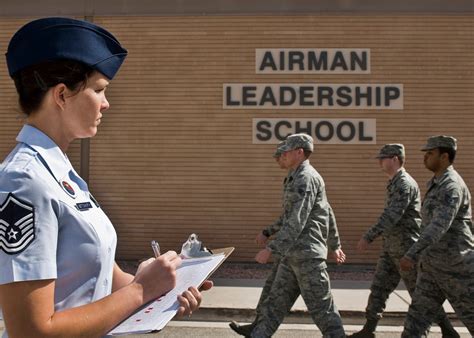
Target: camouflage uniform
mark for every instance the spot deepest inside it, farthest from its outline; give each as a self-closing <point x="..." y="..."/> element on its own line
<point x="399" y="226"/>
<point x="300" y="246"/>
<point x="446" y="247"/>
<point x="334" y="244"/>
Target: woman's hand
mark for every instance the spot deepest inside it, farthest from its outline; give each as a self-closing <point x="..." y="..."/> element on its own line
<point x="157" y="276"/>
<point x="190" y="300"/>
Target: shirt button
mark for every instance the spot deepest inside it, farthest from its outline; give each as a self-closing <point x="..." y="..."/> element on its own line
<point x="105" y="282"/>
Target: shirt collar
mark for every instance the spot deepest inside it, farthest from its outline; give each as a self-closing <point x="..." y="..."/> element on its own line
<point x="55" y="159"/>
<point x="437" y="180"/>
<point x="302" y="165"/>
<point x="396" y="176"/>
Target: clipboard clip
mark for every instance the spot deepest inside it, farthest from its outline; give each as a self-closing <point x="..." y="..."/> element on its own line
<point x="193" y="248"/>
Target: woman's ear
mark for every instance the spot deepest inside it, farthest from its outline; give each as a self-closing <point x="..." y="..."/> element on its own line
<point x="59" y="95"/>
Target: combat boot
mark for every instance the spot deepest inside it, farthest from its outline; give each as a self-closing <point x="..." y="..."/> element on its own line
<point x="447" y="329"/>
<point x="243" y="330"/>
<point x="368" y="331"/>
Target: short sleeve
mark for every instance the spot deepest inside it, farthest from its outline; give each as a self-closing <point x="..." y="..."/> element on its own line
<point x="28" y="227"/>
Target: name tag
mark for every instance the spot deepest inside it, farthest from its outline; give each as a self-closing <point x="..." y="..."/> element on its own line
<point x="83" y="206"/>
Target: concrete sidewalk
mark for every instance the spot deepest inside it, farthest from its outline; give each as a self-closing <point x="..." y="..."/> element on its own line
<point x="236" y="299"/>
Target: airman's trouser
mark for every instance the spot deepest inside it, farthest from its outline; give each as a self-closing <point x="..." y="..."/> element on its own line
<point x="310" y="279"/>
<point x="436" y="282"/>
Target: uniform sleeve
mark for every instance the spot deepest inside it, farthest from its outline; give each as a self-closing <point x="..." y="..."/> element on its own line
<point x="29" y="228"/>
<point x="391" y="215"/>
<point x="448" y="203"/>
<point x="298" y="206"/>
<point x="274" y="227"/>
<point x="334" y="242"/>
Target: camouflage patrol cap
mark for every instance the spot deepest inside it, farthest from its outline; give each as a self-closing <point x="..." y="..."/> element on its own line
<point x="296" y="141"/>
<point x="391" y="150"/>
<point x="278" y="150"/>
<point x="440" y="141"/>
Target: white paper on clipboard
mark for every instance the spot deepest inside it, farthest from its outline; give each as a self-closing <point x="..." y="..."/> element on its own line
<point x="155" y="315"/>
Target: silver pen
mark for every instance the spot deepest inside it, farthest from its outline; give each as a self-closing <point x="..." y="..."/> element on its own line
<point x="156" y="248"/>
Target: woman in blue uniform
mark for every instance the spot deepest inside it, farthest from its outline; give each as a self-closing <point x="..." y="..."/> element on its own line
<point x="58" y="276"/>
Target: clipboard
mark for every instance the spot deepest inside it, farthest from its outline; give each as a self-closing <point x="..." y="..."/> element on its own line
<point x="155" y="315"/>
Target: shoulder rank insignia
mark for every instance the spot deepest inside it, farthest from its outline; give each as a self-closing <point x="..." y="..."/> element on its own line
<point x="17" y="225"/>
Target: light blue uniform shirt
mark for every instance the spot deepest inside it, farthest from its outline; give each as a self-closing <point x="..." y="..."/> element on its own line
<point x="50" y="225"/>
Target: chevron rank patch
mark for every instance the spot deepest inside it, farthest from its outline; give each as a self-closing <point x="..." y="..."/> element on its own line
<point x="17" y="226"/>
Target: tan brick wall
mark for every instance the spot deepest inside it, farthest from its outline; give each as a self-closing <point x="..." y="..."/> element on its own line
<point x="169" y="160"/>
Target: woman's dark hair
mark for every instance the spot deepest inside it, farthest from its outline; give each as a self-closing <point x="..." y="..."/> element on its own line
<point x="33" y="82"/>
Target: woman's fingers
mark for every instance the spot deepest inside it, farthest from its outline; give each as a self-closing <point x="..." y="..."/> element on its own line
<point x="197" y="298"/>
<point x="189" y="301"/>
<point x="184" y="306"/>
<point x="208" y="284"/>
<point x="171" y="258"/>
<point x="194" y="298"/>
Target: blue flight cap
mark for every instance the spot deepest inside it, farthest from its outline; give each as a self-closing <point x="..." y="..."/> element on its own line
<point x="55" y="38"/>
